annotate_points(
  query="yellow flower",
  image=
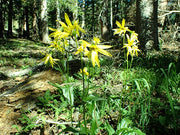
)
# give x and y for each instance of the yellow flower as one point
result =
(122, 29)
(134, 36)
(83, 47)
(78, 28)
(131, 46)
(94, 49)
(70, 28)
(58, 34)
(48, 58)
(84, 71)
(135, 50)
(91, 50)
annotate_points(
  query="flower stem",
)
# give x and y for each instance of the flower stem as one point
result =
(84, 93)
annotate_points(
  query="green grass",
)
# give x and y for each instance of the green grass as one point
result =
(20, 52)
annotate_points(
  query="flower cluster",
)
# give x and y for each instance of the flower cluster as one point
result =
(92, 50)
(132, 41)
(61, 37)
(65, 32)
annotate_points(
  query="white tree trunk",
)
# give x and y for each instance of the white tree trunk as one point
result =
(83, 15)
(44, 22)
(57, 13)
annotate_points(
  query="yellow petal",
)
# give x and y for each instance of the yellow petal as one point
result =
(84, 43)
(104, 46)
(68, 20)
(123, 23)
(84, 71)
(104, 52)
(118, 24)
(46, 59)
(52, 29)
(63, 24)
(94, 58)
(96, 40)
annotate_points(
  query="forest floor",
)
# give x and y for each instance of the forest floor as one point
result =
(20, 54)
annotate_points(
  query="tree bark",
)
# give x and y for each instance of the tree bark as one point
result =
(111, 15)
(147, 28)
(84, 13)
(105, 29)
(93, 25)
(1, 20)
(44, 22)
(35, 35)
(27, 21)
(57, 13)
(10, 16)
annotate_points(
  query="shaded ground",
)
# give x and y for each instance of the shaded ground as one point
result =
(24, 98)
(21, 54)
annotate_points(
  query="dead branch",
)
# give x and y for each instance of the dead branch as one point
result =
(167, 12)
(54, 122)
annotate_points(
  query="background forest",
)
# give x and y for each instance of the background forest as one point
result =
(89, 67)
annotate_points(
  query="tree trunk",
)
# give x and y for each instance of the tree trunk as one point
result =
(83, 14)
(105, 30)
(35, 35)
(27, 21)
(93, 25)
(117, 10)
(146, 19)
(75, 14)
(10, 16)
(111, 16)
(44, 22)
(1, 20)
(57, 13)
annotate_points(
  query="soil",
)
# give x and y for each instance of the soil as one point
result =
(27, 89)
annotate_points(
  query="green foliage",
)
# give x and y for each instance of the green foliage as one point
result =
(28, 124)
(170, 85)
(123, 128)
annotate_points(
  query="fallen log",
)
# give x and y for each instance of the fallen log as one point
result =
(5, 75)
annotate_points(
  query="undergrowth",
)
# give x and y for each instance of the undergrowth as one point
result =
(140, 96)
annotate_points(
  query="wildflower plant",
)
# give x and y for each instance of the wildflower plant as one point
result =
(62, 36)
(92, 50)
(132, 41)
(122, 29)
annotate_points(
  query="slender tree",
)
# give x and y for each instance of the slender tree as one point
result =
(111, 16)
(1, 20)
(26, 26)
(58, 17)
(44, 22)
(35, 34)
(10, 17)
(83, 13)
(93, 24)
(146, 19)
(104, 19)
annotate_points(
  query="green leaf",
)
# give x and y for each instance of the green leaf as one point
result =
(70, 129)
(94, 127)
(69, 94)
(108, 127)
